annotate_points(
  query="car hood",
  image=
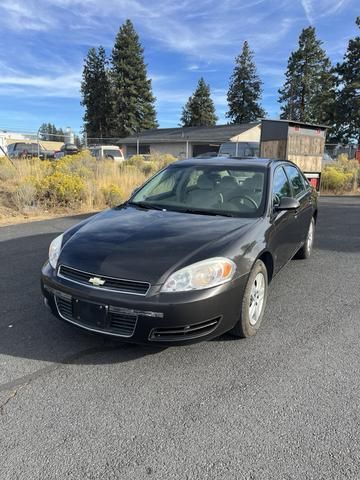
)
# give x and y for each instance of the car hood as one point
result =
(144, 245)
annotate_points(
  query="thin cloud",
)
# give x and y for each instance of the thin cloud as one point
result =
(21, 16)
(308, 9)
(321, 8)
(67, 85)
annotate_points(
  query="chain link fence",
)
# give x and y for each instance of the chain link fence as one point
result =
(334, 150)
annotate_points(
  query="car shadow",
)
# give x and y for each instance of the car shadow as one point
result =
(27, 328)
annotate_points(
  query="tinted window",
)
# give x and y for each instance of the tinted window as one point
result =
(112, 152)
(296, 180)
(21, 146)
(281, 186)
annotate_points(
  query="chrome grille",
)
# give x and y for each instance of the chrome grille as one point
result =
(115, 284)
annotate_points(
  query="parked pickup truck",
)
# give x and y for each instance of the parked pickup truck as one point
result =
(28, 150)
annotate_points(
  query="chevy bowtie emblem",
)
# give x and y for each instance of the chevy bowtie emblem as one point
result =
(96, 281)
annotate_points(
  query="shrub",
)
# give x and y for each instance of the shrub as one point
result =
(24, 197)
(7, 171)
(335, 180)
(149, 168)
(152, 164)
(162, 159)
(78, 182)
(61, 189)
(82, 164)
(113, 195)
(137, 161)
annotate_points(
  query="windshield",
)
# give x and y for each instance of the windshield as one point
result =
(112, 153)
(206, 189)
(27, 146)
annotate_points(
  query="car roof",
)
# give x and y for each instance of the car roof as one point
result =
(105, 146)
(229, 161)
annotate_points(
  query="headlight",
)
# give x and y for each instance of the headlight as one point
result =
(204, 274)
(54, 250)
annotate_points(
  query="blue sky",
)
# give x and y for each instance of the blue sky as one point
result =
(43, 43)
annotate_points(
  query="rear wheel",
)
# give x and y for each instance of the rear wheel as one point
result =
(253, 302)
(306, 249)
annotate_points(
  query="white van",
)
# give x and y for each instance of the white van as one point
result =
(112, 152)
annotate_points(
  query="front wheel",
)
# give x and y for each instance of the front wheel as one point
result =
(253, 302)
(306, 249)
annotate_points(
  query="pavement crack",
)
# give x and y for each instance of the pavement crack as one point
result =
(10, 397)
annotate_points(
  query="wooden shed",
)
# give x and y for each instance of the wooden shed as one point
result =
(301, 143)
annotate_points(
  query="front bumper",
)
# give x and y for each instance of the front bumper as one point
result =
(172, 318)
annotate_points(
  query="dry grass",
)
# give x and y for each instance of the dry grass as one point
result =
(76, 184)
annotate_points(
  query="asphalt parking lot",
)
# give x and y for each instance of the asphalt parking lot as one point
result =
(282, 405)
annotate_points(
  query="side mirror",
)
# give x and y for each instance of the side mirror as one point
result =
(287, 203)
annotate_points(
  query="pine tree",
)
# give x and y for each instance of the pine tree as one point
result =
(348, 98)
(96, 94)
(133, 99)
(308, 94)
(43, 130)
(48, 131)
(245, 89)
(199, 110)
(61, 135)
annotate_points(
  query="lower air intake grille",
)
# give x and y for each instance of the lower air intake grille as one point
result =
(122, 323)
(119, 321)
(184, 333)
(64, 305)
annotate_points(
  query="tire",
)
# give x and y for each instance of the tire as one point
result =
(306, 249)
(251, 316)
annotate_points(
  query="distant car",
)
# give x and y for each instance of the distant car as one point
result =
(188, 257)
(112, 152)
(28, 150)
(66, 149)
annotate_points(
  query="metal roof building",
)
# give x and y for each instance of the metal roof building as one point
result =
(184, 142)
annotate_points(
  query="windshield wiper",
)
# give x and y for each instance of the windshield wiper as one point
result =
(146, 205)
(206, 212)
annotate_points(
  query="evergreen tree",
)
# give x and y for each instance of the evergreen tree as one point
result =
(199, 110)
(308, 94)
(96, 94)
(245, 89)
(43, 130)
(348, 98)
(133, 99)
(61, 135)
(48, 131)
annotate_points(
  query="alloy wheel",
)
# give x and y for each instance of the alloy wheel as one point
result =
(257, 296)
